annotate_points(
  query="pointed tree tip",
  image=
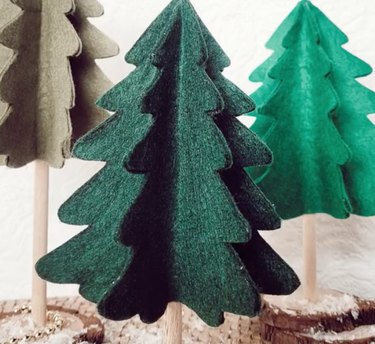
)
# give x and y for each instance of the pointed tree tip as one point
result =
(183, 1)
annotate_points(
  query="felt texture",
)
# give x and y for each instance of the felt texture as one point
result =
(97, 260)
(90, 82)
(166, 212)
(8, 12)
(267, 269)
(40, 126)
(356, 102)
(313, 116)
(260, 74)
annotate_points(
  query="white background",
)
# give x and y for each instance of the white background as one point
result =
(346, 248)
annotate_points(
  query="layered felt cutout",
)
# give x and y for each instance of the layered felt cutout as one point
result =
(8, 12)
(172, 216)
(313, 115)
(40, 125)
(90, 82)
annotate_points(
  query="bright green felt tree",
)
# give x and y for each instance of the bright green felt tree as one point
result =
(172, 213)
(356, 102)
(260, 74)
(320, 134)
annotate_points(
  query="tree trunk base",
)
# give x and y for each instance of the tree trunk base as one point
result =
(90, 328)
(271, 335)
(335, 318)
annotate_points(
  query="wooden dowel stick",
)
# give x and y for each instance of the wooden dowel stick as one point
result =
(309, 253)
(173, 324)
(40, 238)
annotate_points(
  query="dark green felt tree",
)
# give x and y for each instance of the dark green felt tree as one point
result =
(313, 116)
(172, 216)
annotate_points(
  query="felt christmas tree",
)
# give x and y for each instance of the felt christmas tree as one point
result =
(8, 11)
(260, 74)
(313, 115)
(89, 80)
(40, 125)
(172, 216)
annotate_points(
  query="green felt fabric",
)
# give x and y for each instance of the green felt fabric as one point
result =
(355, 103)
(172, 216)
(260, 74)
(266, 268)
(313, 115)
(53, 48)
(97, 259)
(89, 80)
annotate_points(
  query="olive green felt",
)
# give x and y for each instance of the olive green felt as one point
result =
(41, 71)
(163, 217)
(90, 81)
(41, 126)
(320, 135)
(8, 12)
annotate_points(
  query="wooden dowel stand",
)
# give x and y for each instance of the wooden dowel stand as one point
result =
(40, 238)
(173, 324)
(309, 258)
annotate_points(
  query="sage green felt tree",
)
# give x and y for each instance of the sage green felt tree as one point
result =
(8, 11)
(317, 123)
(61, 94)
(172, 216)
(89, 80)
